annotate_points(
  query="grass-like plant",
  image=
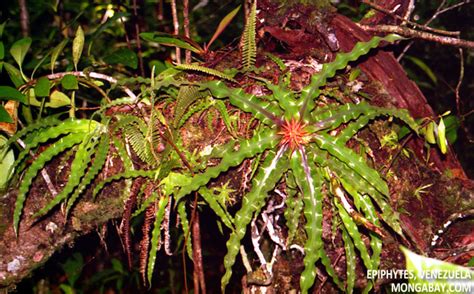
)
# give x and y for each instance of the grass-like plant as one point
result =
(307, 145)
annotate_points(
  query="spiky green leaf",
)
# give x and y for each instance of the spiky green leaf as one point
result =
(248, 148)
(270, 172)
(155, 235)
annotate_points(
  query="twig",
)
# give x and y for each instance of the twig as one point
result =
(256, 243)
(441, 11)
(403, 19)
(137, 38)
(410, 8)
(159, 10)
(245, 259)
(458, 88)
(451, 219)
(24, 18)
(174, 13)
(438, 12)
(94, 75)
(411, 33)
(197, 252)
(187, 53)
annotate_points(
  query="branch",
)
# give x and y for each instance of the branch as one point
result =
(35, 244)
(24, 18)
(411, 33)
(405, 20)
(94, 75)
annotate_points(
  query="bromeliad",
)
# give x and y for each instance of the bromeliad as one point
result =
(297, 144)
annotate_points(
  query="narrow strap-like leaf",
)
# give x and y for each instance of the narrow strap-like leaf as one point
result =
(45, 156)
(350, 261)
(69, 126)
(78, 168)
(155, 235)
(183, 218)
(248, 148)
(351, 228)
(130, 174)
(206, 70)
(352, 160)
(310, 184)
(210, 198)
(329, 69)
(267, 177)
(96, 166)
(389, 216)
(267, 112)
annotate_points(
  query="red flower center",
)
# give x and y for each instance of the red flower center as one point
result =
(293, 134)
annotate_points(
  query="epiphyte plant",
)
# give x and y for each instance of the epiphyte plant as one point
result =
(306, 145)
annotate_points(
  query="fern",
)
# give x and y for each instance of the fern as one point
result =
(249, 44)
(187, 95)
(206, 70)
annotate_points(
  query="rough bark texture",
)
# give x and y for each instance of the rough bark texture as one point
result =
(38, 240)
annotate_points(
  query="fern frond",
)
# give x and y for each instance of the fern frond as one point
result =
(195, 108)
(220, 106)
(206, 70)
(187, 95)
(145, 242)
(249, 44)
(118, 102)
(137, 141)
